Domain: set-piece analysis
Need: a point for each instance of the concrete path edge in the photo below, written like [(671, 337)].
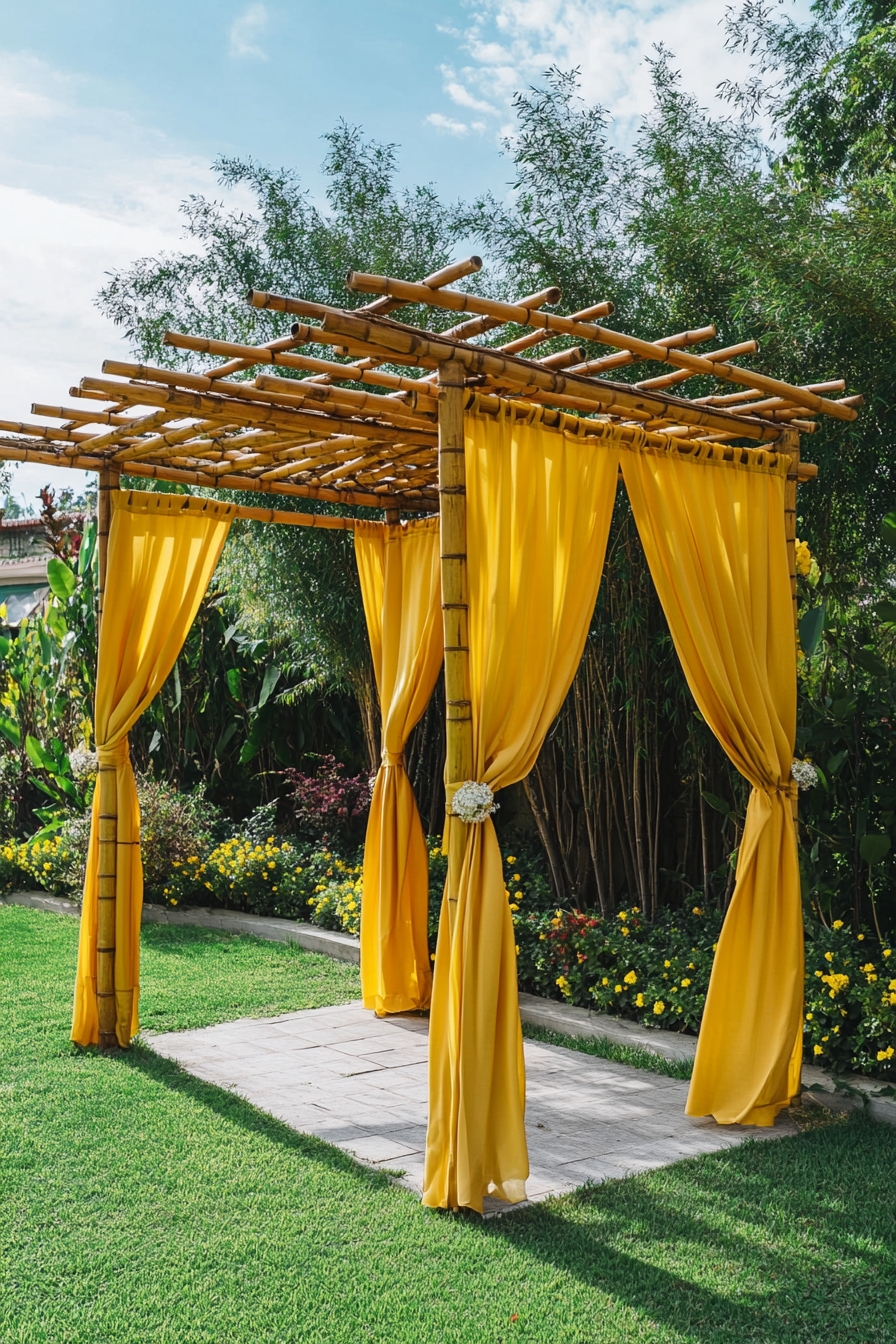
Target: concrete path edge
[(840, 1093)]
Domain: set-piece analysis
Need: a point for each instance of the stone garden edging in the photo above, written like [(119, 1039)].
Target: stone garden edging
[(849, 1092)]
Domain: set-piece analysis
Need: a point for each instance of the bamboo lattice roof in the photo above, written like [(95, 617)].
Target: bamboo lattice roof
[(359, 426)]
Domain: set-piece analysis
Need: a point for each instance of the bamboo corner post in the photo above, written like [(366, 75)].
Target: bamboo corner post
[(790, 444), (108, 811), (455, 611)]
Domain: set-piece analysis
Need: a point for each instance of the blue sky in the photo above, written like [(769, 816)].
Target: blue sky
[(111, 113)]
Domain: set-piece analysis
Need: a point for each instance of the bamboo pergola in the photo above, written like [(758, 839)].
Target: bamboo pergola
[(357, 408)]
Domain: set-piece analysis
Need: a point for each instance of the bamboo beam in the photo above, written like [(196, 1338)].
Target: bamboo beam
[(290, 391), (525, 373), (446, 276), (263, 415), (416, 410), (460, 302), (735, 398), (348, 373), (455, 609), (714, 356), (80, 416), (107, 814), (138, 425), (606, 363)]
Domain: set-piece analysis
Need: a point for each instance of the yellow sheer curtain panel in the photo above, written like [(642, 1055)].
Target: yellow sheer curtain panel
[(539, 504), (163, 550), (398, 565), (714, 537)]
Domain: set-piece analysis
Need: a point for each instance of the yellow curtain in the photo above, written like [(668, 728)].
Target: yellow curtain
[(713, 533), (162, 552), (398, 565), (539, 503)]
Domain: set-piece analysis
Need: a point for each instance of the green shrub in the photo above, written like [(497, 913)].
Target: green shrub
[(336, 902), (850, 1000)]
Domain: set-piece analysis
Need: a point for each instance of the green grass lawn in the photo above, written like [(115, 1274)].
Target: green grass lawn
[(142, 1205)]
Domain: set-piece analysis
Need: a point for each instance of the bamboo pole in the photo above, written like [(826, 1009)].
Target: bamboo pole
[(790, 443), (623, 357), (735, 398), (714, 356), (446, 276), (291, 392), (455, 610), (107, 817), (391, 335), (347, 373), (457, 301), (262, 415)]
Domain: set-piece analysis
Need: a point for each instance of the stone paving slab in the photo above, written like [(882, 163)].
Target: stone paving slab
[(360, 1082)]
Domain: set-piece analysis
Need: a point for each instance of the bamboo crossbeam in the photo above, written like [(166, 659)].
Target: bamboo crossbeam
[(446, 276), (364, 403), (479, 360), (238, 365), (562, 359), (734, 398), (263, 416), (159, 444), (138, 425), (606, 363), (306, 363), (289, 392), (714, 357), (44, 431), (539, 337), (80, 416), (461, 302), (319, 520)]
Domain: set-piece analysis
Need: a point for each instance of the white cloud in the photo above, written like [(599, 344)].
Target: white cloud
[(245, 30), (461, 95), (448, 124), (82, 192), (510, 43)]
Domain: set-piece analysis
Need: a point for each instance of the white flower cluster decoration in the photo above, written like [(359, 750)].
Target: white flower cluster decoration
[(473, 802), (804, 773)]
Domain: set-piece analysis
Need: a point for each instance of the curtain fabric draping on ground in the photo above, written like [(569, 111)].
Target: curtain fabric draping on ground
[(539, 503), (162, 552), (398, 565), (714, 537)]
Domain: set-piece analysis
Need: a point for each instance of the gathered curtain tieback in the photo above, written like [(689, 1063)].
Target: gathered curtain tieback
[(787, 788), (114, 755), (392, 757)]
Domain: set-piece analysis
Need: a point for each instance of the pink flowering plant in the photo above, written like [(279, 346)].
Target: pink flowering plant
[(329, 805)]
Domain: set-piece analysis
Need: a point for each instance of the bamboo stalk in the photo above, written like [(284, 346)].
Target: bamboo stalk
[(714, 356), (107, 817), (290, 391), (461, 302), (361, 403), (446, 276), (455, 611), (348, 373), (735, 398), (478, 359), (790, 443), (262, 415), (138, 425), (80, 416)]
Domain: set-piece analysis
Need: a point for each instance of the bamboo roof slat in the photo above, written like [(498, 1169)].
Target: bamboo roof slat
[(336, 372), (263, 415), (458, 301), (478, 359), (365, 431)]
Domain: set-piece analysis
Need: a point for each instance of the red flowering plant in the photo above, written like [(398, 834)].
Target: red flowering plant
[(329, 805)]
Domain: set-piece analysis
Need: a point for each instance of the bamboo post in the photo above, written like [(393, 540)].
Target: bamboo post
[(455, 613), (108, 812), (790, 443)]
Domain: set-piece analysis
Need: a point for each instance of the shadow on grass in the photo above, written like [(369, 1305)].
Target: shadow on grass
[(797, 1232), (237, 1111)]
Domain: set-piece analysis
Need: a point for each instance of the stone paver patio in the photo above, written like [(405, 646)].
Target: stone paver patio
[(360, 1083)]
